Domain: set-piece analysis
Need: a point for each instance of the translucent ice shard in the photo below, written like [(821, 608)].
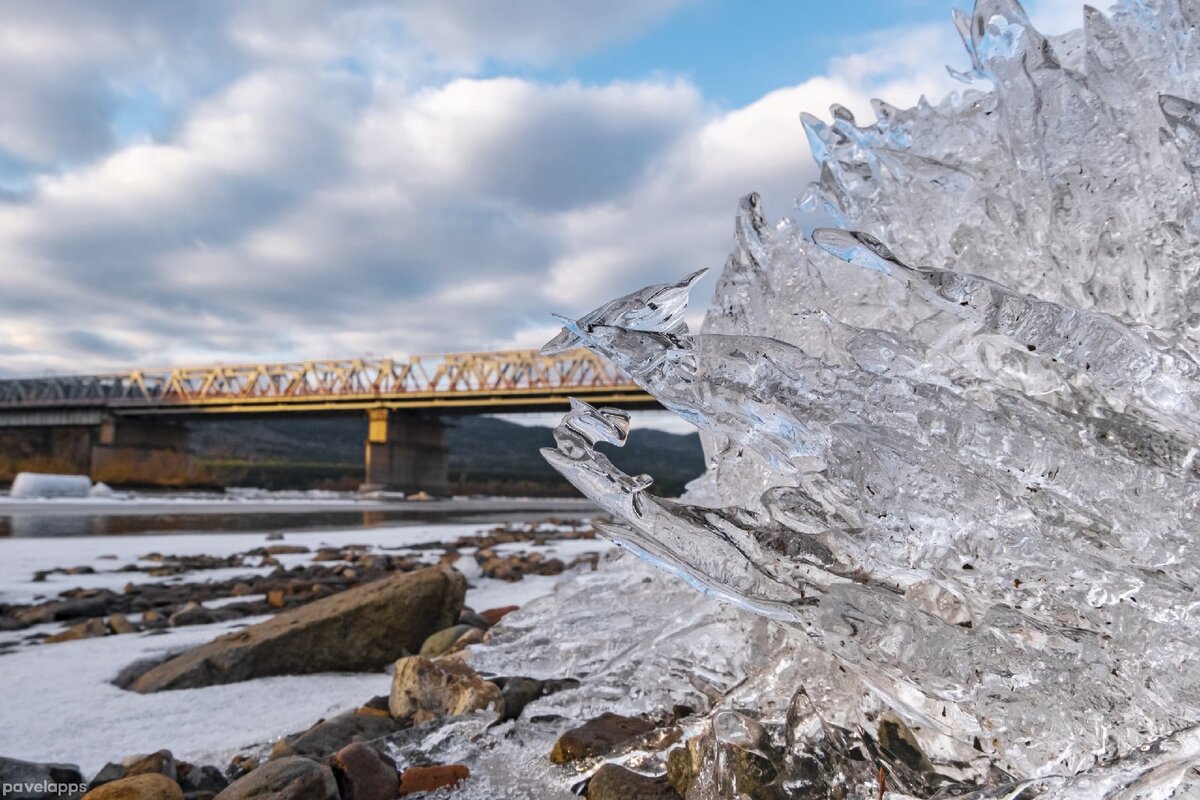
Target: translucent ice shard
[(964, 473)]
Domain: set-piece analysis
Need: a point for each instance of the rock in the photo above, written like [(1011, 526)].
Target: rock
[(614, 782), (154, 619), (119, 623), (84, 630), (469, 617), (151, 786), (162, 763), (28, 780), (896, 738), (281, 550), (362, 773), (276, 598), (441, 641), (424, 689), (680, 770), (241, 589), (376, 706), (597, 737), (426, 779), (356, 630), (108, 773), (94, 605), (191, 614), (472, 636), (293, 778), (206, 780), (518, 693), (239, 766), (331, 735), (494, 615)]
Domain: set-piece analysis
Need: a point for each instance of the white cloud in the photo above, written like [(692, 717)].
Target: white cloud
[(322, 192)]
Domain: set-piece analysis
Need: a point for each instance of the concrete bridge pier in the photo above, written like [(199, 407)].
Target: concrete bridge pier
[(138, 451), (406, 452)]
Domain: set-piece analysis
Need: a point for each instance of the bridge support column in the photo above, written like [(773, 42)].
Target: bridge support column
[(134, 451), (406, 452)]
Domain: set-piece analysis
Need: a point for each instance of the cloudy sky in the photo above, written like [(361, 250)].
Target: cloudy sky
[(278, 179)]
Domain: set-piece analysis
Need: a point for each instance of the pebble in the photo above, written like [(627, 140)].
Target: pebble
[(363, 773), (443, 640), (427, 779), (597, 737)]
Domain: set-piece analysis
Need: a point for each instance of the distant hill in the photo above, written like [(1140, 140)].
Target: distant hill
[(487, 455)]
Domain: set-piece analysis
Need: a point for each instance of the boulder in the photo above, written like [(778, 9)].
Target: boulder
[(425, 689), (293, 778), (27, 780), (427, 779), (119, 623), (357, 630), (362, 773), (597, 737), (331, 735), (151, 786), (614, 782)]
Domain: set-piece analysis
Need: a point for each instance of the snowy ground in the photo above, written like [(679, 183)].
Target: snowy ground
[(57, 700)]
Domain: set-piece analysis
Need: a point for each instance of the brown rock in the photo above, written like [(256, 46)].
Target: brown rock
[(426, 779), (597, 737), (356, 630), (614, 782), (84, 630), (282, 550), (362, 773), (152, 786), (292, 778), (425, 689), (494, 615), (160, 763), (276, 598), (119, 623), (241, 589)]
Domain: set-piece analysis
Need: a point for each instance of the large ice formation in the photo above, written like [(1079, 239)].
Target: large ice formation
[(951, 408)]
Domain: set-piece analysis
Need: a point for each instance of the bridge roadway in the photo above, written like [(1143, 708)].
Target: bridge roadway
[(127, 428)]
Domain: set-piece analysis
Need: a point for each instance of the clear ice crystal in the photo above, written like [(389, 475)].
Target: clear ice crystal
[(968, 486)]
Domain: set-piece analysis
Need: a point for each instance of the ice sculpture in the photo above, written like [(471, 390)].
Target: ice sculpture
[(951, 410)]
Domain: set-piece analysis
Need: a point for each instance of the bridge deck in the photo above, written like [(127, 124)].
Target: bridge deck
[(517, 380)]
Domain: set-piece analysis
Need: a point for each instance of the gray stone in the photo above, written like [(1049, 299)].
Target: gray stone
[(191, 614), (202, 780), (331, 735), (293, 778), (518, 693), (357, 630), (28, 780)]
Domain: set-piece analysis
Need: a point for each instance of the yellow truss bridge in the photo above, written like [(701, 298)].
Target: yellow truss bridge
[(514, 380)]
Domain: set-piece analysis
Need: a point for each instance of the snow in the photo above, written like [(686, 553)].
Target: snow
[(58, 702), (33, 484)]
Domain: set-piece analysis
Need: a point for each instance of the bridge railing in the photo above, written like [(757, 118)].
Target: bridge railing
[(455, 374)]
